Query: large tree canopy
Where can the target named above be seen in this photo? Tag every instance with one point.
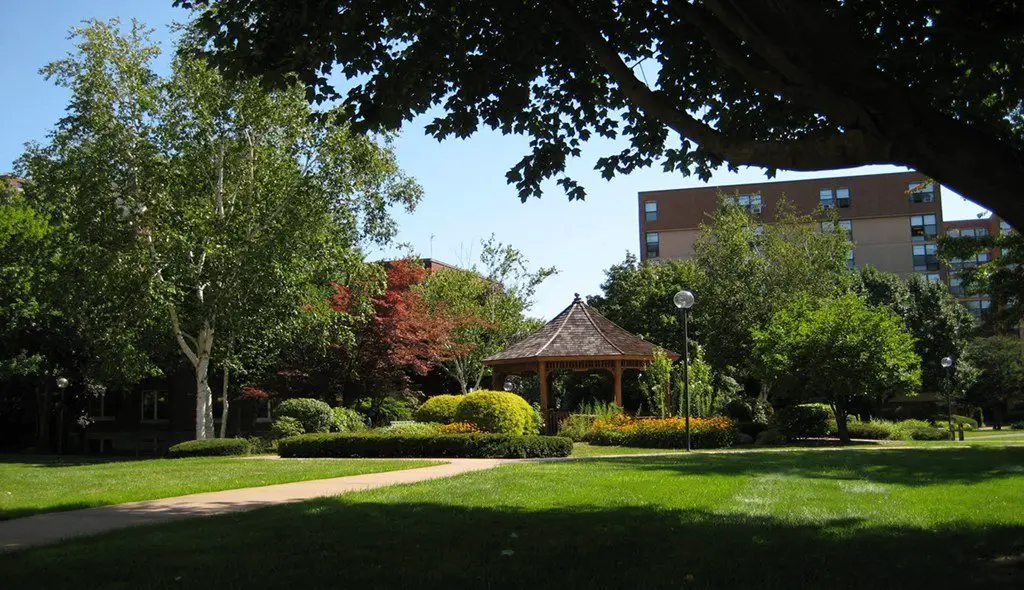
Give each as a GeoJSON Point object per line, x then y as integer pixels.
{"type": "Point", "coordinates": [786, 84]}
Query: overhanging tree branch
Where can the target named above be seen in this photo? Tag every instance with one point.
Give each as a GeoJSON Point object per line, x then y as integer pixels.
{"type": "Point", "coordinates": [851, 148]}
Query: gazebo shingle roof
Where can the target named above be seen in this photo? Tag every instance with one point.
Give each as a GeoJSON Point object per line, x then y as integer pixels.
{"type": "Point", "coordinates": [579, 331]}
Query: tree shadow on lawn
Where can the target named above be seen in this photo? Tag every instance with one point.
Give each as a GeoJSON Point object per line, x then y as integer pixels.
{"type": "Point", "coordinates": [912, 467]}
{"type": "Point", "coordinates": [342, 543]}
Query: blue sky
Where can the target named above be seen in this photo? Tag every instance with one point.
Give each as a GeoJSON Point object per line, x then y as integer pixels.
{"type": "Point", "coordinates": [466, 197]}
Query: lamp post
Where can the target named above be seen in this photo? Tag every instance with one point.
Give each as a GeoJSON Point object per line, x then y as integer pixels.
{"type": "Point", "coordinates": [947, 363]}
{"type": "Point", "coordinates": [684, 301]}
{"type": "Point", "coordinates": [62, 384]}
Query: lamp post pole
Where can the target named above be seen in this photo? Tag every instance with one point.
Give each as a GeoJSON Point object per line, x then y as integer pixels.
{"type": "Point", "coordinates": [62, 384]}
{"type": "Point", "coordinates": [947, 363]}
{"type": "Point", "coordinates": [684, 301]}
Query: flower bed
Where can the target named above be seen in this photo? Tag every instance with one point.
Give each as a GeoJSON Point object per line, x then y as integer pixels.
{"type": "Point", "coordinates": [373, 444]}
{"type": "Point", "coordinates": [663, 433]}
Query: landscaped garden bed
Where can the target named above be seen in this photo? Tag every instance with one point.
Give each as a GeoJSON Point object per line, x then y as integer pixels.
{"type": "Point", "coordinates": [384, 444]}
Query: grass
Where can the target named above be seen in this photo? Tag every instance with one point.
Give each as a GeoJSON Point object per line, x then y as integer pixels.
{"type": "Point", "coordinates": [30, 485]}
{"type": "Point", "coordinates": [854, 518]}
{"type": "Point", "coordinates": [588, 450]}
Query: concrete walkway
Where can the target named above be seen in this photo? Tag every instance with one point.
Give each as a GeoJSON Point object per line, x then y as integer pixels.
{"type": "Point", "coordinates": [44, 529]}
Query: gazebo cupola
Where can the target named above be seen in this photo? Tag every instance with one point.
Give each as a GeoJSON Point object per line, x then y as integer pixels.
{"type": "Point", "coordinates": [577, 339]}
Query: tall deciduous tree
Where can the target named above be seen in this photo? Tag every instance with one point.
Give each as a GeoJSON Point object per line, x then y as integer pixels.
{"type": "Point", "coordinates": [793, 84]}
{"type": "Point", "coordinates": [486, 305]}
{"type": "Point", "coordinates": [216, 209]}
{"type": "Point", "coordinates": [941, 326]}
{"type": "Point", "coordinates": [836, 350]}
{"type": "Point", "coordinates": [1000, 381]}
{"type": "Point", "coordinates": [753, 271]}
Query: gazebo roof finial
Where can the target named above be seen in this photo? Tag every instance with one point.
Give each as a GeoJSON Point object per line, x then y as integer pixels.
{"type": "Point", "coordinates": [576, 298]}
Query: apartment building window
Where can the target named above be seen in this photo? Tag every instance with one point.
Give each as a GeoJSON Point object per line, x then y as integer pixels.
{"type": "Point", "coordinates": [750, 203]}
{"type": "Point", "coordinates": [921, 192]}
{"type": "Point", "coordinates": [932, 277]}
{"type": "Point", "coordinates": [759, 230]}
{"type": "Point", "coordinates": [956, 288]}
{"type": "Point", "coordinates": [978, 307]}
{"type": "Point", "coordinates": [967, 232]}
{"type": "Point", "coordinates": [843, 197]}
{"type": "Point", "coordinates": [103, 407]}
{"type": "Point", "coordinates": [827, 198]}
{"type": "Point", "coordinates": [923, 228]}
{"type": "Point", "coordinates": [650, 211]}
{"type": "Point", "coordinates": [845, 225]}
{"type": "Point", "coordinates": [971, 262]}
{"type": "Point", "coordinates": [926, 257]}
{"type": "Point", "coordinates": [653, 241]}
{"type": "Point", "coordinates": [154, 406]}
{"type": "Point", "coordinates": [1004, 228]}
{"type": "Point", "coordinates": [262, 411]}
{"type": "Point", "coordinates": [850, 260]}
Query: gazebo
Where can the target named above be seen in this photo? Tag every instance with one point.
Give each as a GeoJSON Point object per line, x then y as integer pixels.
{"type": "Point", "coordinates": [577, 339]}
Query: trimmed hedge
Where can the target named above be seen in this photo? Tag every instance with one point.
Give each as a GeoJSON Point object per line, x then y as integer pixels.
{"type": "Point", "coordinates": [664, 433]}
{"type": "Point", "coordinates": [211, 447]}
{"type": "Point", "coordinates": [286, 426]}
{"type": "Point", "coordinates": [803, 421]}
{"type": "Point", "coordinates": [313, 414]}
{"type": "Point", "coordinates": [440, 408]}
{"type": "Point", "coordinates": [1017, 425]}
{"type": "Point", "coordinates": [496, 446]}
{"type": "Point", "coordinates": [500, 412]}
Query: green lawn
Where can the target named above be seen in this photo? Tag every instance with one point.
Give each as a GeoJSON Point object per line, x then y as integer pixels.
{"type": "Point", "coordinates": [29, 485]}
{"type": "Point", "coordinates": [854, 518]}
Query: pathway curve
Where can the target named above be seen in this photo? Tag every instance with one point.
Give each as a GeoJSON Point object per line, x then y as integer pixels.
{"type": "Point", "coordinates": [43, 529]}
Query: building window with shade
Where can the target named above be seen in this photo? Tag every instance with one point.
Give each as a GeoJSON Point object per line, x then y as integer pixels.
{"type": "Point", "coordinates": [653, 241]}
{"type": "Point", "coordinates": [650, 211]}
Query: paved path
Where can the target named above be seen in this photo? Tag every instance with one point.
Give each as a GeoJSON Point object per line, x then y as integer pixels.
{"type": "Point", "coordinates": [44, 529]}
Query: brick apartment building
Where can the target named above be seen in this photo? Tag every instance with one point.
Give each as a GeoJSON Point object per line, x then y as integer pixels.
{"type": "Point", "coordinates": [893, 219]}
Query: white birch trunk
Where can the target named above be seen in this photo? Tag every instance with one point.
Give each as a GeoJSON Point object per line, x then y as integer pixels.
{"type": "Point", "coordinates": [204, 395]}
{"type": "Point", "coordinates": [224, 404]}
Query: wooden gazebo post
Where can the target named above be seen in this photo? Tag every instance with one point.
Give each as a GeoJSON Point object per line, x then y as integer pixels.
{"type": "Point", "coordinates": [542, 374]}
{"type": "Point", "coordinates": [617, 375]}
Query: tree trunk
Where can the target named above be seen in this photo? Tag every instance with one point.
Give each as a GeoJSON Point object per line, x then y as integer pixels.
{"type": "Point", "coordinates": [839, 409]}
{"type": "Point", "coordinates": [224, 405]}
{"type": "Point", "coordinates": [204, 395]}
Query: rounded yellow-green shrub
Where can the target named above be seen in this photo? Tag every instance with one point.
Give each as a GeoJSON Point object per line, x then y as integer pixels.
{"type": "Point", "coordinates": [497, 411]}
{"type": "Point", "coordinates": [440, 409]}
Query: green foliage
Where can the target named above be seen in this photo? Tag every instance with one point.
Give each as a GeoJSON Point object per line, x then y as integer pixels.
{"type": "Point", "coordinates": [1017, 425]}
{"type": "Point", "coordinates": [408, 429]}
{"type": "Point", "coordinates": [440, 408]}
{"type": "Point", "coordinates": [1000, 382]}
{"type": "Point", "coordinates": [638, 297]}
{"type": "Point", "coordinates": [788, 259]}
{"type": "Point", "coordinates": [286, 426]}
{"type": "Point", "coordinates": [213, 447]}
{"type": "Point", "coordinates": [705, 399]}
{"type": "Point", "coordinates": [669, 433]}
{"type": "Point", "coordinates": [486, 304]}
{"type": "Point", "coordinates": [600, 410]}
{"type": "Point", "coordinates": [837, 350]}
{"type": "Point", "coordinates": [264, 444]}
{"type": "Point", "coordinates": [313, 414]}
{"type": "Point", "coordinates": [431, 445]}
{"type": "Point", "coordinates": [903, 430]}
{"type": "Point", "coordinates": [769, 437]}
{"type": "Point", "coordinates": [941, 326]}
{"type": "Point", "coordinates": [803, 421]}
{"type": "Point", "coordinates": [575, 426]}
{"type": "Point", "coordinates": [347, 420]}
{"type": "Point", "coordinates": [654, 383]}
{"type": "Point", "coordinates": [498, 412]}
{"type": "Point", "coordinates": [196, 206]}
{"type": "Point", "coordinates": [999, 278]}
{"type": "Point", "coordinates": [727, 92]}
{"type": "Point", "coordinates": [383, 410]}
